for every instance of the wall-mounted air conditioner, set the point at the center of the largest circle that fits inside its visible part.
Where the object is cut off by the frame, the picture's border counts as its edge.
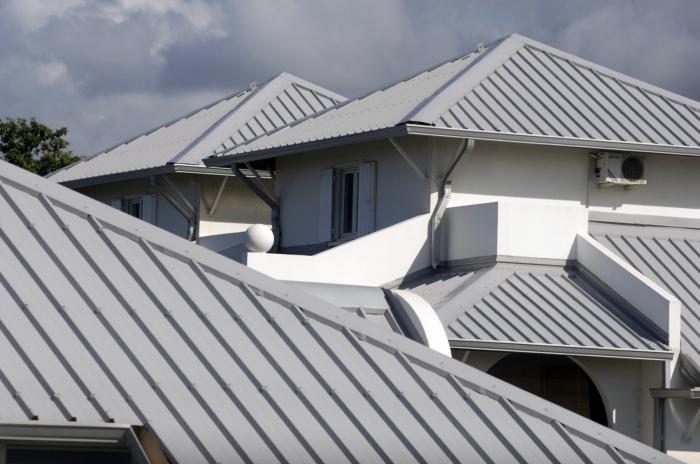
(620, 169)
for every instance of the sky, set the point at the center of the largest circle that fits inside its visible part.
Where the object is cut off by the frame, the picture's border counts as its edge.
(111, 69)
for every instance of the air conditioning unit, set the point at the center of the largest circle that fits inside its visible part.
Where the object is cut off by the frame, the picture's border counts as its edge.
(620, 169)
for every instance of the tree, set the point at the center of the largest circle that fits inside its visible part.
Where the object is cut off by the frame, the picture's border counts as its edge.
(34, 146)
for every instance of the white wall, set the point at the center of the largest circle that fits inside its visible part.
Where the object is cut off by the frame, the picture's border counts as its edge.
(167, 217)
(401, 194)
(238, 209)
(529, 172)
(623, 384)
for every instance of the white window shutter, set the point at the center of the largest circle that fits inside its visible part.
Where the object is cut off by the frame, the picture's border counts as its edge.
(117, 203)
(325, 215)
(366, 198)
(148, 208)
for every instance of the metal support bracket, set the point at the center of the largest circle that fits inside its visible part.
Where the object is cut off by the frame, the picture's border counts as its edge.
(261, 193)
(186, 209)
(217, 198)
(691, 427)
(408, 160)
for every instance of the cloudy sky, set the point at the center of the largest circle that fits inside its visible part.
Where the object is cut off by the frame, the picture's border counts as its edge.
(109, 69)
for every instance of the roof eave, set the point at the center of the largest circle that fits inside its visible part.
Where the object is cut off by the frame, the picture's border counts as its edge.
(143, 173)
(275, 152)
(425, 130)
(596, 144)
(567, 350)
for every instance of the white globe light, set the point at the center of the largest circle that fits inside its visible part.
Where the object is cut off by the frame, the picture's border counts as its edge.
(259, 238)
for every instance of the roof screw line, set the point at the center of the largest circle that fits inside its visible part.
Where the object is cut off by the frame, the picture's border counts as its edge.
(263, 389)
(331, 391)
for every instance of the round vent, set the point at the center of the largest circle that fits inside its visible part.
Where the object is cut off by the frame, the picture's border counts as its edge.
(633, 168)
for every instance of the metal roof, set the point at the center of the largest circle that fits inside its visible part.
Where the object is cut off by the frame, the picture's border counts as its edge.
(218, 126)
(670, 256)
(105, 317)
(538, 308)
(515, 89)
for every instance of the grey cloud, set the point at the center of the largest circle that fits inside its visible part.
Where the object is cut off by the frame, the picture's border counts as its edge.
(111, 69)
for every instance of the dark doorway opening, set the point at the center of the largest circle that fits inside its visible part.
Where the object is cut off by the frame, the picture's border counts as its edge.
(555, 378)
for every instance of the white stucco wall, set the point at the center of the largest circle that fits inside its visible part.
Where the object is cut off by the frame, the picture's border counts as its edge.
(623, 384)
(238, 209)
(167, 217)
(529, 172)
(400, 193)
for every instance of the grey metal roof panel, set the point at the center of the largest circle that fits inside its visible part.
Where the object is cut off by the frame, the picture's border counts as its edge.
(515, 86)
(218, 126)
(525, 305)
(105, 317)
(670, 256)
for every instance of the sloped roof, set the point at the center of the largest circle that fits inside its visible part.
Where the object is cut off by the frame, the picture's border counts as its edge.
(515, 89)
(221, 125)
(542, 308)
(106, 318)
(670, 256)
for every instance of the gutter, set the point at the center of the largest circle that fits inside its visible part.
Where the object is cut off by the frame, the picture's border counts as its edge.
(427, 130)
(567, 350)
(144, 173)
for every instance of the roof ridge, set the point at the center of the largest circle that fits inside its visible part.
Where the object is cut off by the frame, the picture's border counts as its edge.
(245, 105)
(443, 98)
(167, 124)
(352, 100)
(248, 108)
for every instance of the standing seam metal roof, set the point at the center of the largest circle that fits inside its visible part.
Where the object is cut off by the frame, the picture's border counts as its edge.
(105, 317)
(221, 125)
(670, 257)
(514, 86)
(536, 305)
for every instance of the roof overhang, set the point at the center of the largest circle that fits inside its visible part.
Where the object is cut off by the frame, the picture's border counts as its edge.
(145, 173)
(427, 130)
(73, 434)
(567, 350)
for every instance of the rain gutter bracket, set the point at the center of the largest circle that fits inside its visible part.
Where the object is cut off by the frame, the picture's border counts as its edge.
(261, 192)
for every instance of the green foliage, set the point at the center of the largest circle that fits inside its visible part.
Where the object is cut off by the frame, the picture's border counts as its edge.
(33, 146)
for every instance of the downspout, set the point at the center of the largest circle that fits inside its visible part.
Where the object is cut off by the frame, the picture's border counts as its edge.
(464, 149)
(265, 197)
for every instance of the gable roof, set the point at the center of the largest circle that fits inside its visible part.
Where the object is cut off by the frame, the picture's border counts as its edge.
(515, 89)
(108, 318)
(537, 308)
(670, 256)
(218, 126)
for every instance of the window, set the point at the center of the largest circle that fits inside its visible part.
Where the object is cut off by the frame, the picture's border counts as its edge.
(347, 202)
(139, 206)
(134, 207)
(346, 193)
